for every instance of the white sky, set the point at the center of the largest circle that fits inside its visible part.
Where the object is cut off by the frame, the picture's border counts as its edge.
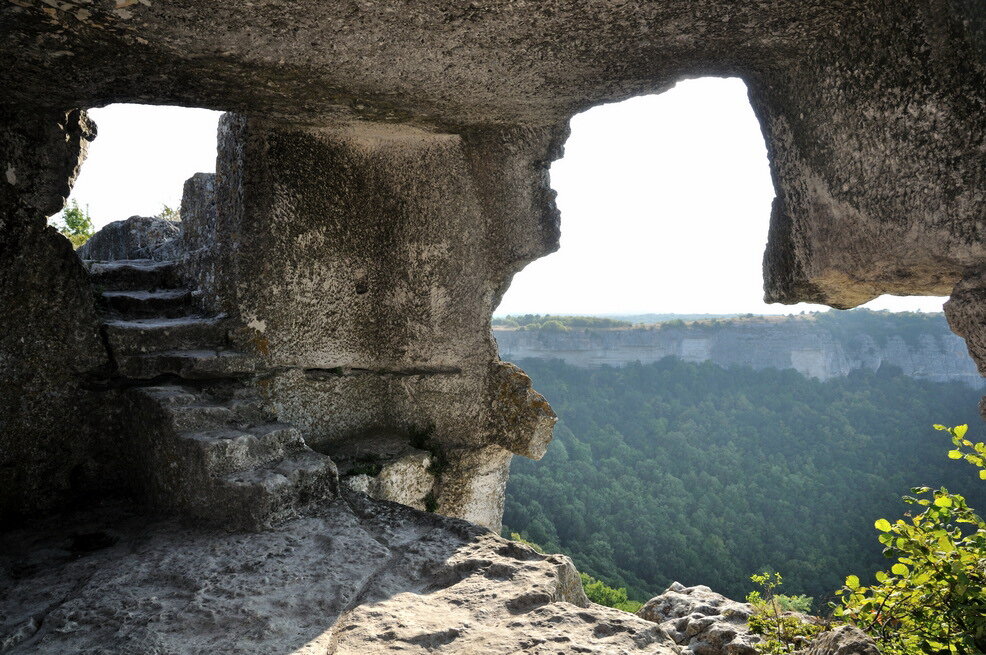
(141, 157)
(665, 201)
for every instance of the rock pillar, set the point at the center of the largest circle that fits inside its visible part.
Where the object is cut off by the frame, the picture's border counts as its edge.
(363, 263)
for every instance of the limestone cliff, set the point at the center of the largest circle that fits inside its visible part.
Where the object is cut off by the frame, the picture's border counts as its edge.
(818, 347)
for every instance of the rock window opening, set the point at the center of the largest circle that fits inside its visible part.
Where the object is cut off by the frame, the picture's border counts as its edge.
(665, 207)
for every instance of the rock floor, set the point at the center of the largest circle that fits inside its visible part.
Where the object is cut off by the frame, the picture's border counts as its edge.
(359, 576)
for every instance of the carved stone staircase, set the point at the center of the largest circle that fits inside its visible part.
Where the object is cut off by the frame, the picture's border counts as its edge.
(202, 444)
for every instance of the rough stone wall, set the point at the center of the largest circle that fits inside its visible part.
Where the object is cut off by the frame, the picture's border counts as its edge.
(48, 329)
(876, 139)
(363, 263)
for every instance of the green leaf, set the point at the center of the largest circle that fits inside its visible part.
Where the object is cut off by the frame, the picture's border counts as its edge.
(898, 569)
(852, 582)
(943, 501)
(955, 454)
(960, 430)
(883, 525)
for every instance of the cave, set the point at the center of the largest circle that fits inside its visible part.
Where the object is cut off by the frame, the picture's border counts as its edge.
(382, 174)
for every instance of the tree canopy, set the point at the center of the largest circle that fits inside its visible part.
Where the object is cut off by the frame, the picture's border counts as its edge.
(690, 472)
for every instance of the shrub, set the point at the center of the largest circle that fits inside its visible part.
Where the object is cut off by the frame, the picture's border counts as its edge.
(169, 214)
(553, 326)
(933, 599)
(76, 224)
(799, 603)
(519, 539)
(601, 593)
(779, 633)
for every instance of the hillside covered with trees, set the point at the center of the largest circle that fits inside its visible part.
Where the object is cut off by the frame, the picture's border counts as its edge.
(705, 475)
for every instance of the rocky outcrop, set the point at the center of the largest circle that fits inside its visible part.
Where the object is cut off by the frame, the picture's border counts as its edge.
(849, 101)
(138, 237)
(706, 623)
(797, 342)
(702, 621)
(844, 640)
(357, 577)
(384, 178)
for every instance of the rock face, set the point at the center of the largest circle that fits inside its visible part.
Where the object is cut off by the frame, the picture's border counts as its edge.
(356, 576)
(966, 312)
(49, 336)
(848, 101)
(802, 344)
(138, 237)
(702, 621)
(198, 230)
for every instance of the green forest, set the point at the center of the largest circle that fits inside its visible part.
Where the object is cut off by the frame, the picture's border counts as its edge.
(551, 322)
(704, 475)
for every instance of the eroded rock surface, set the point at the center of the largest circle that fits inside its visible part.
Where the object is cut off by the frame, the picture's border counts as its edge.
(358, 576)
(872, 117)
(702, 621)
(389, 467)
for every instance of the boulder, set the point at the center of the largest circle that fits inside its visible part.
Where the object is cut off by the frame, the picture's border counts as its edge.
(844, 640)
(702, 621)
(138, 237)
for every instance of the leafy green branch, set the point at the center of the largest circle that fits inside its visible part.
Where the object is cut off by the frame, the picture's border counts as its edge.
(933, 599)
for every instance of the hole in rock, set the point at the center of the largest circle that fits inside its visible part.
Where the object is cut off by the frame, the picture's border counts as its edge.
(140, 159)
(705, 436)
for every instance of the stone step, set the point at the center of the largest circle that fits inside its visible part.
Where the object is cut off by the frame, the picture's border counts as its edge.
(236, 468)
(164, 303)
(191, 410)
(188, 364)
(259, 497)
(144, 335)
(206, 416)
(225, 451)
(134, 274)
(170, 396)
